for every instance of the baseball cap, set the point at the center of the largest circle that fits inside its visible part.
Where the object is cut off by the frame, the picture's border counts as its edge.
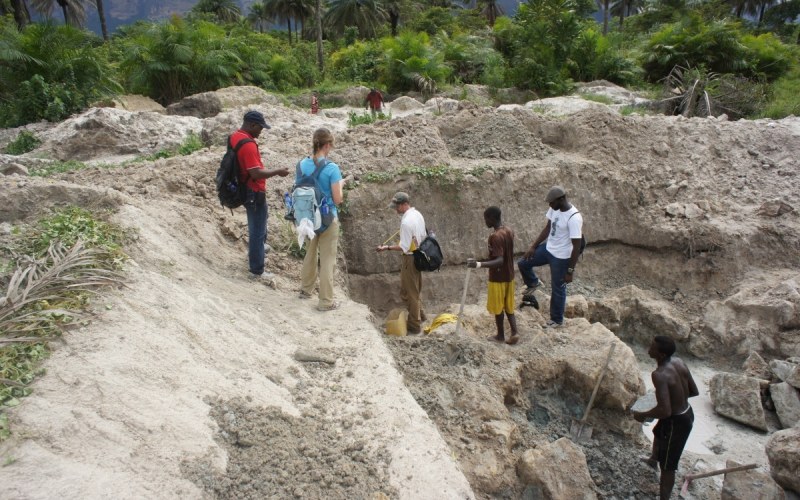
(257, 118)
(555, 193)
(398, 199)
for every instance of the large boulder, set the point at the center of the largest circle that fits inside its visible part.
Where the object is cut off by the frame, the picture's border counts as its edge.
(738, 397)
(786, 371)
(582, 359)
(787, 404)
(208, 104)
(783, 453)
(755, 366)
(637, 315)
(112, 133)
(754, 319)
(747, 484)
(558, 470)
(405, 103)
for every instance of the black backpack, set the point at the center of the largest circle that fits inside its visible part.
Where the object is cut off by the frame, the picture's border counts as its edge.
(428, 257)
(232, 192)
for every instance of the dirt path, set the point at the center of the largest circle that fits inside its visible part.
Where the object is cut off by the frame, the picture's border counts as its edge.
(189, 377)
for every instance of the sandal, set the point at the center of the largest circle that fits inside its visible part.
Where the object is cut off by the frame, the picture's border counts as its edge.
(331, 307)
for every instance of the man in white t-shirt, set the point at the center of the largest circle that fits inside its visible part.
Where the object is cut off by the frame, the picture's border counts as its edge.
(564, 233)
(412, 232)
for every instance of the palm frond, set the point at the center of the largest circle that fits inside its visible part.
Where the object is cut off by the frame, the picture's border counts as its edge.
(25, 309)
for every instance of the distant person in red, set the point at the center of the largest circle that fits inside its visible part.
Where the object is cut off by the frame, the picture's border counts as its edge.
(314, 104)
(374, 101)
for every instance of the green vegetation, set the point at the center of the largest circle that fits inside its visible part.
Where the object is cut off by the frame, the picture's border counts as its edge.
(50, 71)
(602, 99)
(58, 167)
(365, 118)
(24, 143)
(189, 145)
(58, 263)
(630, 110)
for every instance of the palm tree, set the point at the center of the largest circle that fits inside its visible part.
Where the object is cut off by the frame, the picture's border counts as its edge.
(366, 15)
(74, 10)
(491, 10)
(101, 11)
(281, 9)
(604, 6)
(224, 10)
(300, 11)
(318, 19)
(259, 16)
(21, 14)
(624, 8)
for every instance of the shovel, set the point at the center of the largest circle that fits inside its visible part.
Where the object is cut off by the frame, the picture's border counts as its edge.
(579, 430)
(463, 300)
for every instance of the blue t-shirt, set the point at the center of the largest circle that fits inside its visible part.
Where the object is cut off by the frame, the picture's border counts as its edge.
(330, 175)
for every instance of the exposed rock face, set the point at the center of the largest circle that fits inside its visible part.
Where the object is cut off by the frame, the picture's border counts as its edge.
(738, 397)
(558, 469)
(405, 103)
(755, 318)
(638, 316)
(134, 102)
(783, 453)
(14, 169)
(32, 195)
(787, 403)
(755, 366)
(115, 132)
(786, 371)
(210, 104)
(748, 484)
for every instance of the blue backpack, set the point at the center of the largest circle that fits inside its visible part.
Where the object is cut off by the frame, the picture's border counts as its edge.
(308, 200)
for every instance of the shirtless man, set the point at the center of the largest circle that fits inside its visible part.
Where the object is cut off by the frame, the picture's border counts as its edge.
(674, 386)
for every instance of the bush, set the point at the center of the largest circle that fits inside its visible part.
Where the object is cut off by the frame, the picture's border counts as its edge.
(24, 143)
(409, 60)
(357, 63)
(783, 100)
(49, 72)
(718, 46)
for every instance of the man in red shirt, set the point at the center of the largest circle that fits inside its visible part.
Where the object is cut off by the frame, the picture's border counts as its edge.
(374, 101)
(253, 173)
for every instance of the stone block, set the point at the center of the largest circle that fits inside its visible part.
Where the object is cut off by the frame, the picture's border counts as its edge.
(738, 397)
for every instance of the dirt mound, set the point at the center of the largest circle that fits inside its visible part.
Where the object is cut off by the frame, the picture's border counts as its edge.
(274, 454)
(496, 135)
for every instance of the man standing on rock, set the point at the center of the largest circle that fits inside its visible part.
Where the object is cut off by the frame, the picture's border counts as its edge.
(253, 173)
(374, 101)
(564, 235)
(501, 274)
(674, 386)
(412, 232)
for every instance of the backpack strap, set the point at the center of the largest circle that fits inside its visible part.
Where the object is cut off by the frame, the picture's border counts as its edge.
(319, 167)
(573, 215)
(236, 149)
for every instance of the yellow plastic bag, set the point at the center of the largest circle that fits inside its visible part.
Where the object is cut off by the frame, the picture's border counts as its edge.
(396, 322)
(440, 320)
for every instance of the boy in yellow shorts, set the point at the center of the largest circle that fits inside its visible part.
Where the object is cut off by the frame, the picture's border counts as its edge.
(501, 274)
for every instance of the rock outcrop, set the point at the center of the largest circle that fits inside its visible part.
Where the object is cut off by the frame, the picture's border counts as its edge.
(783, 453)
(738, 397)
(557, 470)
(787, 403)
(208, 104)
(747, 484)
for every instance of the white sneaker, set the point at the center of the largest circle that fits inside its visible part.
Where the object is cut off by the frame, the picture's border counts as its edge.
(553, 324)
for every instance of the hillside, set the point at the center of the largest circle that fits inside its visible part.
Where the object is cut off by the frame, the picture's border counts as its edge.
(193, 382)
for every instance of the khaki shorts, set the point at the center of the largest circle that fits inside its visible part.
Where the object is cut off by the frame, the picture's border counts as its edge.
(501, 298)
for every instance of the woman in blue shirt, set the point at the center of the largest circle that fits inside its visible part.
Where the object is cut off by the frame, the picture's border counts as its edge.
(326, 243)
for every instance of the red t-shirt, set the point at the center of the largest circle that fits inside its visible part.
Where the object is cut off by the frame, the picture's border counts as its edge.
(375, 99)
(248, 157)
